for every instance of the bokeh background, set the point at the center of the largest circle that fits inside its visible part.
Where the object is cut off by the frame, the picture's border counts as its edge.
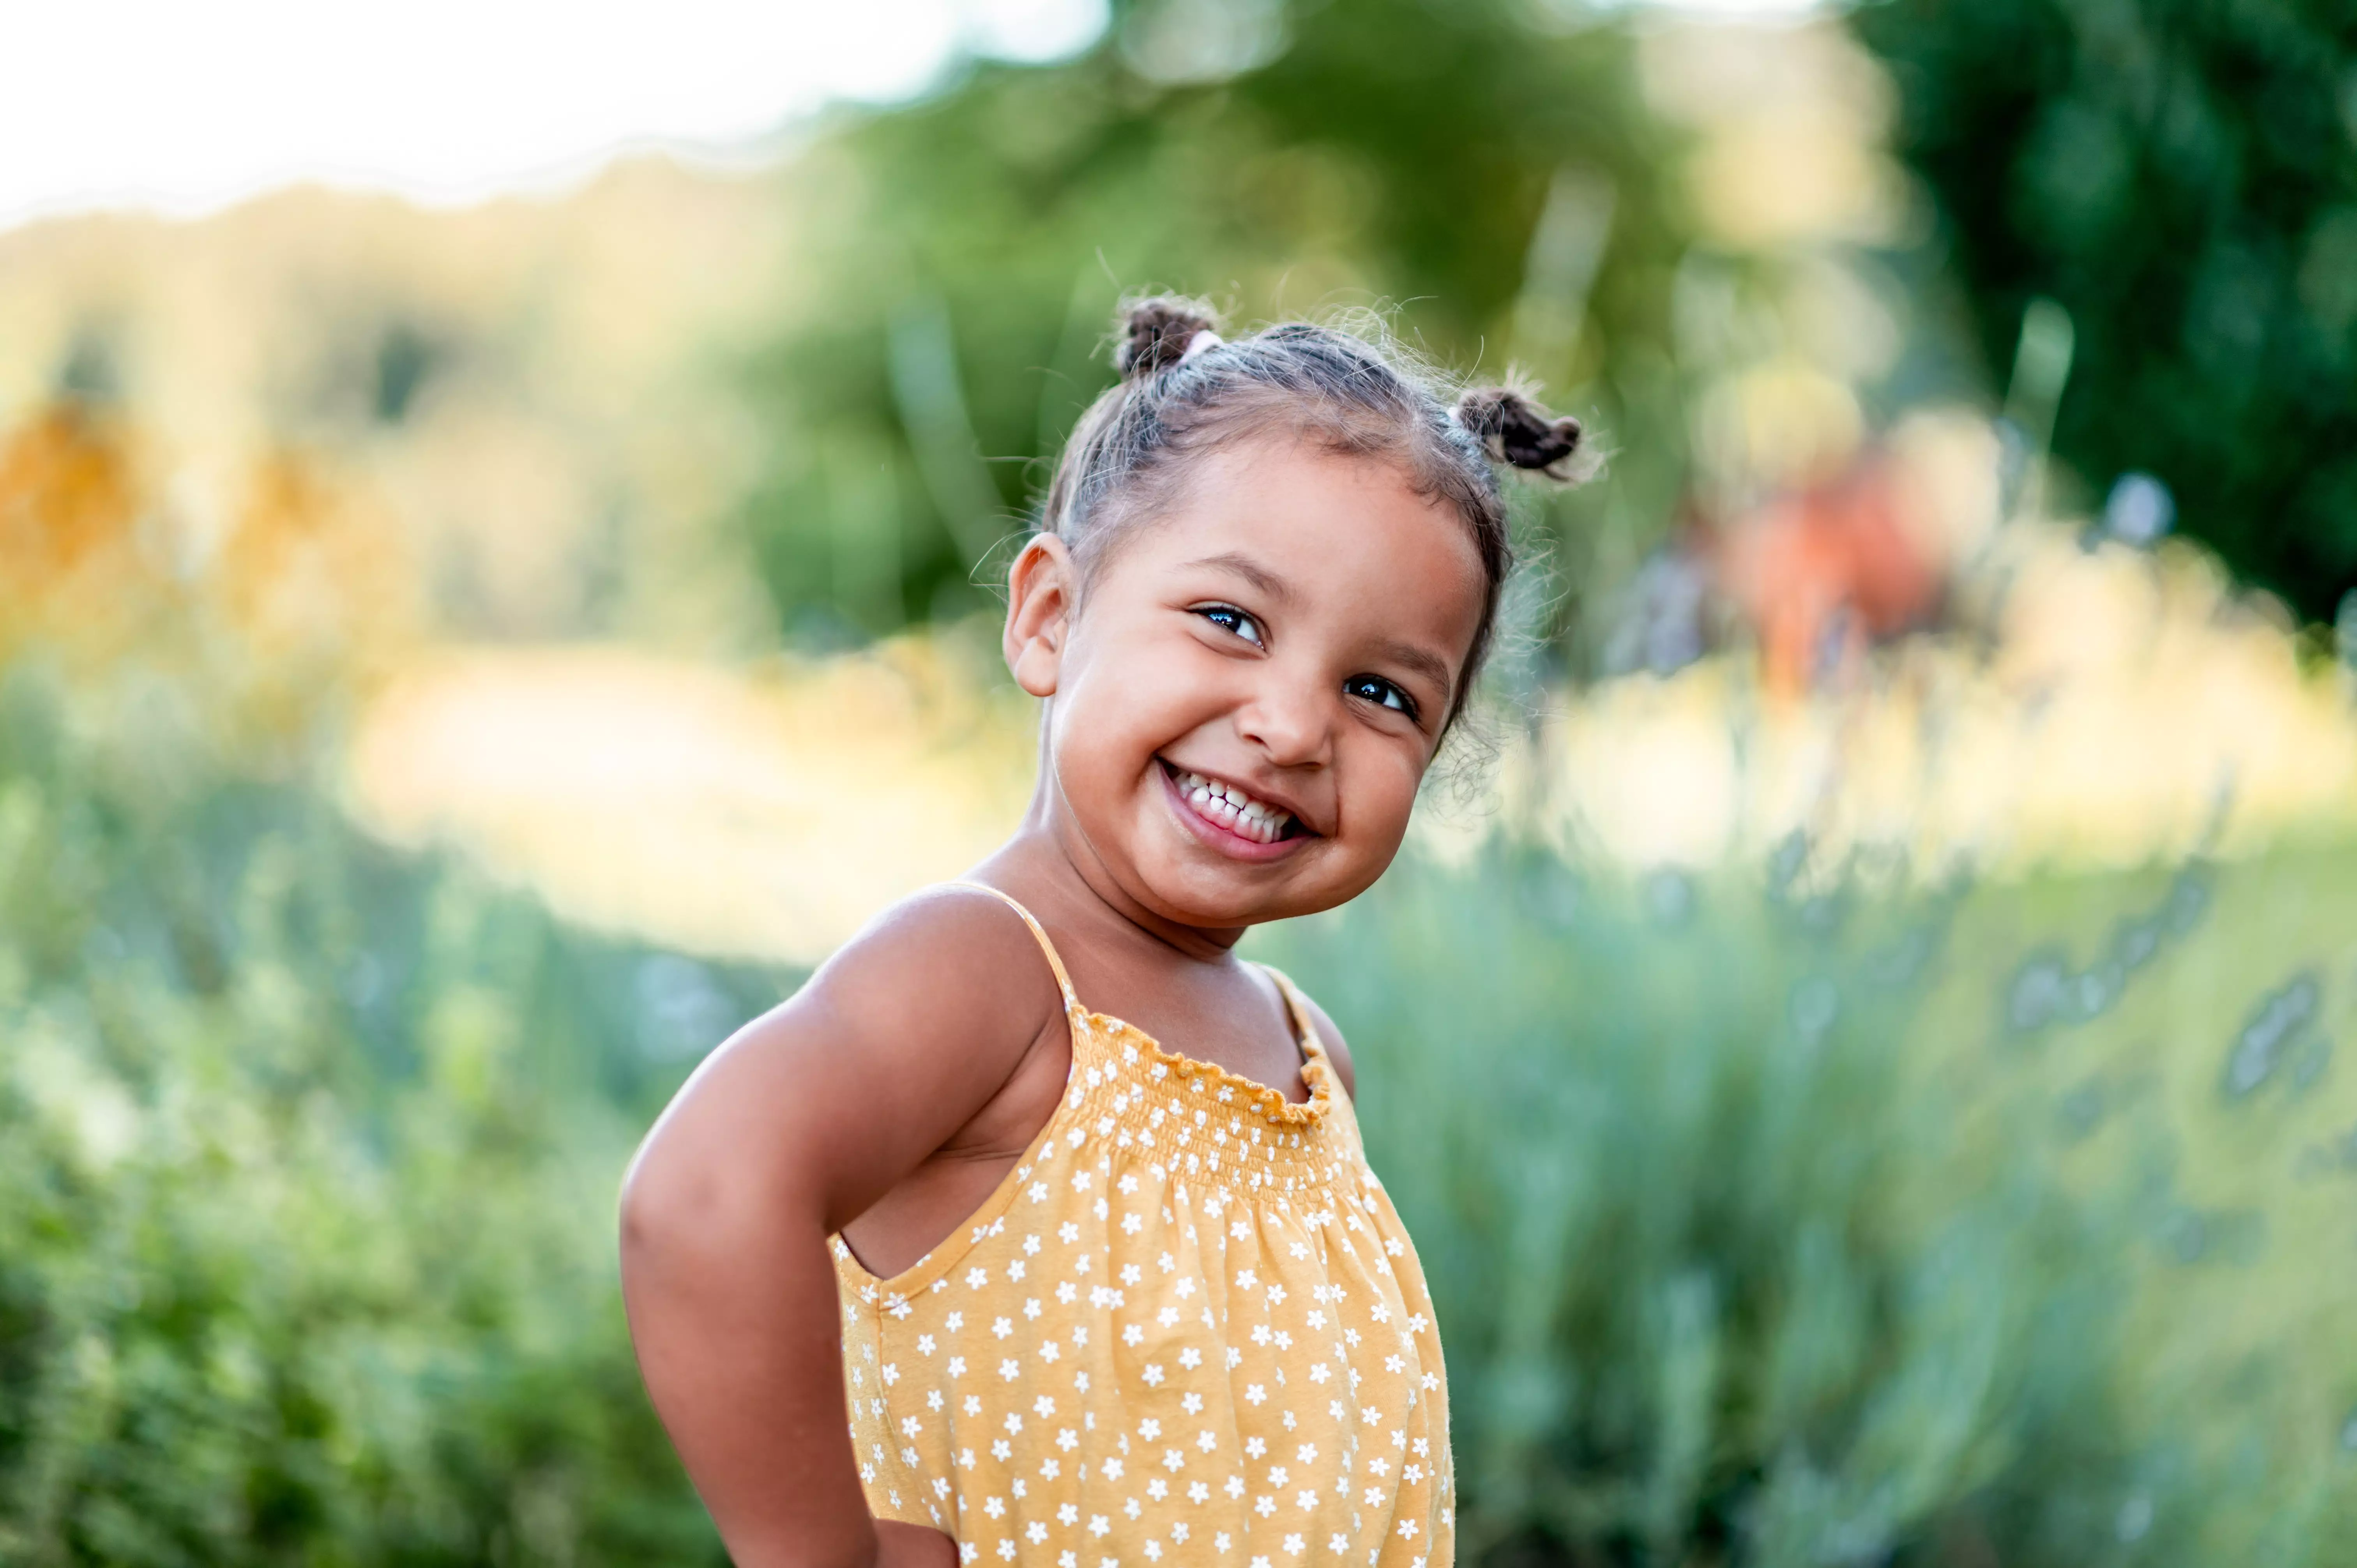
(1855, 1032)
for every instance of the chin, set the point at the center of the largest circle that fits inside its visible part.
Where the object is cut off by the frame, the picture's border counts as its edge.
(1185, 887)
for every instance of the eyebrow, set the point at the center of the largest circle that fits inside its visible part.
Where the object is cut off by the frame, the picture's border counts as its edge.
(1243, 566)
(1423, 661)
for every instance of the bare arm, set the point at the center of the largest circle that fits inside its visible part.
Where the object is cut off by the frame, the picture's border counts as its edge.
(800, 1123)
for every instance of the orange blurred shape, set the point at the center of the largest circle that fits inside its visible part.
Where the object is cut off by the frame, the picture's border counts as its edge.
(269, 619)
(66, 491)
(308, 569)
(70, 502)
(1822, 571)
(309, 594)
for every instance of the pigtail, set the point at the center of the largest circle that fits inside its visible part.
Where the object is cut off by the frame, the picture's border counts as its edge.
(1516, 431)
(1349, 391)
(1160, 331)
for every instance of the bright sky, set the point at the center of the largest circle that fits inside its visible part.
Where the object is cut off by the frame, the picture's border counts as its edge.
(189, 105)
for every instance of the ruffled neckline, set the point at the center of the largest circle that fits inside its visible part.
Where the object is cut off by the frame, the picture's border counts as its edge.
(1229, 1087)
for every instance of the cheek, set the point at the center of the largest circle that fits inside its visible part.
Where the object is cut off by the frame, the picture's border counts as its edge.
(1126, 705)
(1376, 781)
(1385, 795)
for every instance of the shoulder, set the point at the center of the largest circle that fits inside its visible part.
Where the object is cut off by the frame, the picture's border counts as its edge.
(921, 1018)
(897, 1041)
(945, 960)
(1329, 1035)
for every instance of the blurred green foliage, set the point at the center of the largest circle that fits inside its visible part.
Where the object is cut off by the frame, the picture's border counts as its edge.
(2002, 1226)
(1771, 1221)
(308, 1155)
(958, 294)
(2181, 176)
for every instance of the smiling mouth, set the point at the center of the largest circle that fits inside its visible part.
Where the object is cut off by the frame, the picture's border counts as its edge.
(1228, 807)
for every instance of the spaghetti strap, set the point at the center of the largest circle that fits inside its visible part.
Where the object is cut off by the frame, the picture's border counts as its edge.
(1303, 1032)
(1063, 981)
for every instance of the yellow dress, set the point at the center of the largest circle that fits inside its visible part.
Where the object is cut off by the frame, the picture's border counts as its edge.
(1188, 1328)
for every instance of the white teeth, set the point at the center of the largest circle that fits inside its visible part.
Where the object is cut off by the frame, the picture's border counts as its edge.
(1232, 808)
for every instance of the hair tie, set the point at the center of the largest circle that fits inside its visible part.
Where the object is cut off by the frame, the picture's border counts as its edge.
(1206, 338)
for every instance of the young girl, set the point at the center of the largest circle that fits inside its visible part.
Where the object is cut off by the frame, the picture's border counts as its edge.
(1095, 1288)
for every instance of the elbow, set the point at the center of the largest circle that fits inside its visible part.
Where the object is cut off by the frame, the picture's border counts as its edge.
(667, 1208)
(684, 1213)
(636, 1217)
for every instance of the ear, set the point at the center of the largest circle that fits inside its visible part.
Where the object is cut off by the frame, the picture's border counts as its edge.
(1042, 590)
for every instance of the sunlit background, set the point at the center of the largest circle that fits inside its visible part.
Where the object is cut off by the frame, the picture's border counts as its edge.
(497, 506)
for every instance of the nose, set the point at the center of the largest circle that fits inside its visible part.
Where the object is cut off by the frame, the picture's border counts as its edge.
(1289, 717)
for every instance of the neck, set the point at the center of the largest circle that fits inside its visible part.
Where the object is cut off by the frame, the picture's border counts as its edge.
(1051, 865)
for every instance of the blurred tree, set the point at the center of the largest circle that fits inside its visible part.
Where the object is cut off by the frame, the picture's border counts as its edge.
(2181, 176)
(1491, 173)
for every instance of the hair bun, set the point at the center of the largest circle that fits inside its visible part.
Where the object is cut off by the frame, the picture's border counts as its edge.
(1512, 429)
(1156, 331)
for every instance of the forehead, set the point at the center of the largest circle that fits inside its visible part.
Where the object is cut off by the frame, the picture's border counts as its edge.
(1348, 534)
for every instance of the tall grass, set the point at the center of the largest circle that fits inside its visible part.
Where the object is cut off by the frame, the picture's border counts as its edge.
(2010, 1225)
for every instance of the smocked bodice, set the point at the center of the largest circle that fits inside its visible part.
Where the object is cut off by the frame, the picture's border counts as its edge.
(1187, 1326)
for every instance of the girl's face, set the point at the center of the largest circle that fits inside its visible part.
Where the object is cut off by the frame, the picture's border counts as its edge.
(1247, 700)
